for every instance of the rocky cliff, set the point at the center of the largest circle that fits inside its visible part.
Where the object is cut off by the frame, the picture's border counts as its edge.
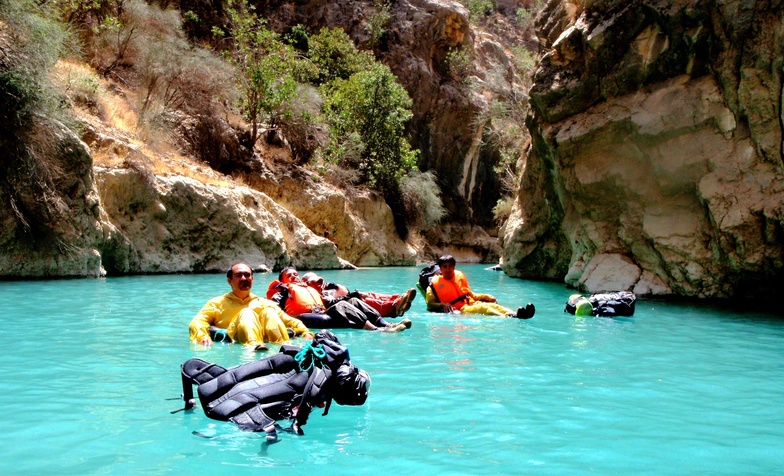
(126, 220)
(657, 162)
(81, 220)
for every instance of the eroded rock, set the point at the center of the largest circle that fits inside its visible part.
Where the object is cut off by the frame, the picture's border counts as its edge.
(656, 163)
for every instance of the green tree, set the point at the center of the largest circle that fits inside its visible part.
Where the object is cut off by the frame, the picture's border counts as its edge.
(371, 109)
(264, 64)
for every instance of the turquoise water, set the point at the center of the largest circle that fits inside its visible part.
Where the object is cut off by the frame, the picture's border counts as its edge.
(90, 365)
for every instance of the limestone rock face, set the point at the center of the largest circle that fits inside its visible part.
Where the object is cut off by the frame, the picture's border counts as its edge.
(468, 244)
(360, 223)
(657, 161)
(176, 224)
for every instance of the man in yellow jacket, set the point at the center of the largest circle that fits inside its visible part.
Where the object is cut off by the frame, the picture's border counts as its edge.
(449, 292)
(247, 318)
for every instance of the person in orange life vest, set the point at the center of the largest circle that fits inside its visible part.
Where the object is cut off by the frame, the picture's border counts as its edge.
(296, 297)
(388, 305)
(247, 318)
(450, 292)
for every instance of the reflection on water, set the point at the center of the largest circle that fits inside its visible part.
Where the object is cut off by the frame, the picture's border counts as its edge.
(90, 368)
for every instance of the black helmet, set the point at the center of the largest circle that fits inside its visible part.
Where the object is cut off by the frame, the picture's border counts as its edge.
(351, 385)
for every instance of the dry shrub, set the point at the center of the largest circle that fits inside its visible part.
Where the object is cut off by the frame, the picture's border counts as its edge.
(345, 178)
(422, 200)
(117, 112)
(503, 209)
(80, 83)
(304, 130)
(144, 46)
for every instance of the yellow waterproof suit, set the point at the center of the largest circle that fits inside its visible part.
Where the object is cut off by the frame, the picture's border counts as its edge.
(252, 320)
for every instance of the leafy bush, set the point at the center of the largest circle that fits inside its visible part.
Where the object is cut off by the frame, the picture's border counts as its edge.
(525, 16)
(336, 56)
(479, 7)
(372, 108)
(265, 67)
(524, 60)
(378, 21)
(458, 63)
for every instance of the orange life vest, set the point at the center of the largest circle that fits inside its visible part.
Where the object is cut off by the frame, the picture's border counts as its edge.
(455, 292)
(273, 288)
(302, 299)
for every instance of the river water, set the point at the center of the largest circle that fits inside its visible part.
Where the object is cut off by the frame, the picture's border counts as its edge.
(91, 367)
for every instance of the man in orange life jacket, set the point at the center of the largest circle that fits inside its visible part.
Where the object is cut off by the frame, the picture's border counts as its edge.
(450, 292)
(296, 297)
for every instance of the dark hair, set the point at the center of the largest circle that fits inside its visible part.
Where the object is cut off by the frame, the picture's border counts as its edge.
(280, 275)
(230, 272)
(447, 259)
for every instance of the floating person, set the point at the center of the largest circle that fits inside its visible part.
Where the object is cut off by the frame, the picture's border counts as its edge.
(243, 316)
(298, 299)
(449, 291)
(388, 305)
(285, 386)
(613, 304)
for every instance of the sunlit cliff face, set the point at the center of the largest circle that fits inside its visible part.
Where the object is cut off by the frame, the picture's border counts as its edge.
(657, 158)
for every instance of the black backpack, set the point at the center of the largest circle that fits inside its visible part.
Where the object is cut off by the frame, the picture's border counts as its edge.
(425, 274)
(284, 386)
(619, 303)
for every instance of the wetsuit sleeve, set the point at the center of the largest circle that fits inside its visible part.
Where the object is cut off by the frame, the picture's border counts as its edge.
(200, 324)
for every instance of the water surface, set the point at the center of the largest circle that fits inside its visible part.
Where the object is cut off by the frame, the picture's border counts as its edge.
(90, 367)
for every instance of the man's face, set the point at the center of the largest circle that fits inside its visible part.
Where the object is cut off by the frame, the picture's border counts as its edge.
(289, 276)
(447, 270)
(241, 279)
(315, 282)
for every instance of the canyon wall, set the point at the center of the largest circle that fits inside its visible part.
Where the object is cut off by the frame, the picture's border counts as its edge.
(450, 118)
(657, 163)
